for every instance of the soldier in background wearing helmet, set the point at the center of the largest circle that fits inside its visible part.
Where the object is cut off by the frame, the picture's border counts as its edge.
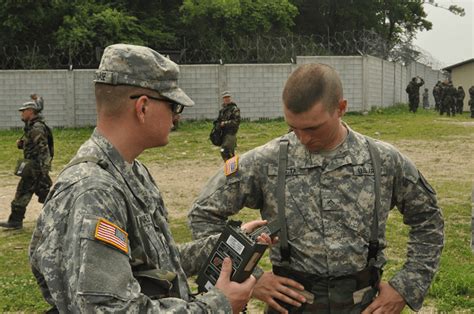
(413, 91)
(229, 121)
(102, 242)
(448, 99)
(37, 145)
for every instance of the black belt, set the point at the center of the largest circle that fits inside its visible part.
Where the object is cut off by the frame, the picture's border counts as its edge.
(369, 276)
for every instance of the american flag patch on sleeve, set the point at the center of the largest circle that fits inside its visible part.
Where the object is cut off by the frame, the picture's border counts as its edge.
(231, 165)
(109, 233)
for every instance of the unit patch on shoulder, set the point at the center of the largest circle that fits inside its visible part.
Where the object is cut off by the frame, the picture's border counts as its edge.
(109, 233)
(231, 165)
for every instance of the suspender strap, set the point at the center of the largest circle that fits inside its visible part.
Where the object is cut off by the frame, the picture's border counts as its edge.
(282, 161)
(374, 245)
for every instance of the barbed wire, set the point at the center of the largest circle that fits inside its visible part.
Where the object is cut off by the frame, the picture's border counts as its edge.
(245, 49)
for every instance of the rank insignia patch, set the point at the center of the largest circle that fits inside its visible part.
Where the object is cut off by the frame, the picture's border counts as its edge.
(109, 233)
(231, 165)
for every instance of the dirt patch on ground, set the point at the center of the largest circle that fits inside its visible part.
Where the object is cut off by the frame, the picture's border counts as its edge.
(180, 182)
(464, 123)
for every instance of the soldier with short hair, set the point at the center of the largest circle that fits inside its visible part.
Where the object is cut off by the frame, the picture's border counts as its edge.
(37, 145)
(331, 189)
(228, 120)
(102, 242)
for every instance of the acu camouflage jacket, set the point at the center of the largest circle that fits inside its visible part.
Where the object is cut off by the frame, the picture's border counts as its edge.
(103, 234)
(330, 208)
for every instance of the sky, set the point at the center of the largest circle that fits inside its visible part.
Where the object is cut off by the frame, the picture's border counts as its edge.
(450, 41)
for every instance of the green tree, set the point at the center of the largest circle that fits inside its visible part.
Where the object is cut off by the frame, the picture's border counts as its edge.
(396, 21)
(22, 22)
(225, 19)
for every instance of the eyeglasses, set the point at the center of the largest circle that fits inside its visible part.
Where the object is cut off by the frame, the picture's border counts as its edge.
(175, 107)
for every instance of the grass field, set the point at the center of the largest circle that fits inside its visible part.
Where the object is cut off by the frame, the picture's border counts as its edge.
(443, 149)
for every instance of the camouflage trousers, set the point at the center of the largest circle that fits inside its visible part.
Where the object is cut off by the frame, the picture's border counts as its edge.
(27, 187)
(228, 146)
(413, 103)
(448, 106)
(347, 294)
(459, 106)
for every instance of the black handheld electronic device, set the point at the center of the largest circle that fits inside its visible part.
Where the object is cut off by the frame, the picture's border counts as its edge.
(241, 247)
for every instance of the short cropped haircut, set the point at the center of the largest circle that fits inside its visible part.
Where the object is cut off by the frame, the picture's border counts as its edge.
(112, 99)
(311, 84)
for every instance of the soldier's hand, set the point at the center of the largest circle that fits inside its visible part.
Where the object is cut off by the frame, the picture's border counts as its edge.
(263, 238)
(271, 287)
(388, 301)
(19, 144)
(238, 294)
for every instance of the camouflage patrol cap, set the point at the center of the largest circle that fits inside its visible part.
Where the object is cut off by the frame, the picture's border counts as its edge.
(28, 105)
(226, 94)
(141, 66)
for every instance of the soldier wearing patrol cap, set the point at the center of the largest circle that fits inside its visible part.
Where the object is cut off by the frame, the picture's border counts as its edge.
(102, 242)
(228, 120)
(331, 190)
(36, 143)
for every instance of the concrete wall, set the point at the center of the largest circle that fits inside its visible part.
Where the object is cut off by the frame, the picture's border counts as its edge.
(256, 88)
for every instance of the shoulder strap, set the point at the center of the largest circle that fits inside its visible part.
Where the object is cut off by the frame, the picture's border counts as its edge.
(102, 163)
(282, 161)
(49, 136)
(374, 244)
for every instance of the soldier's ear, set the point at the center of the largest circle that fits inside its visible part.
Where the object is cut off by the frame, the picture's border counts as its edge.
(341, 107)
(140, 109)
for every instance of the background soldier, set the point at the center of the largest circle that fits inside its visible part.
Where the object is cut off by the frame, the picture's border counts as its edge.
(426, 101)
(413, 90)
(38, 151)
(448, 99)
(334, 207)
(460, 99)
(102, 242)
(229, 121)
(471, 100)
(437, 95)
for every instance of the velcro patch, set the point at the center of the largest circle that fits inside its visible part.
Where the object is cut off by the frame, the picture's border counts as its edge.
(110, 233)
(231, 165)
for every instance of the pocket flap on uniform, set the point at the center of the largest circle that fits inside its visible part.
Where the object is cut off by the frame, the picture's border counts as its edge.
(155, 282)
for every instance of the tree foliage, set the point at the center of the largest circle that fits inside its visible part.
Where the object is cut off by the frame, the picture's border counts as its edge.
(225, 19)
(76, 25)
